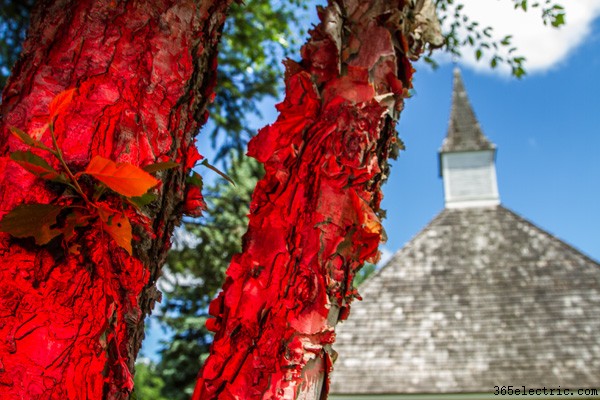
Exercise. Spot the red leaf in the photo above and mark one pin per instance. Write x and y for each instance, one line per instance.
(192, 156)
(194, 202)
(60, 102)
(117, 226)
(123, 178)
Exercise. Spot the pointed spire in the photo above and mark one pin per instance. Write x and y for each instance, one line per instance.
(464, 132)
(467, 157)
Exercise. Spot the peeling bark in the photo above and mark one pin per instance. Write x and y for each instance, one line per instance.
(71, 325)
(314, 217)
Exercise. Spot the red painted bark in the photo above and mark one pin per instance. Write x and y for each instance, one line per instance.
(314, 217)
(71, 324)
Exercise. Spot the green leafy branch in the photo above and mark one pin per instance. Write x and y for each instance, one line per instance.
(481, 39)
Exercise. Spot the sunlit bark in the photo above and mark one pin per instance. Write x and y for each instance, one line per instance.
(315, 216)
(71, 324)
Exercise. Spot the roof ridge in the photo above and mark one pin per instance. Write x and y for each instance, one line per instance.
(545, 232)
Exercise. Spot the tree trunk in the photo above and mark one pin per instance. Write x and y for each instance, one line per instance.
(314, 217)
(71, 319)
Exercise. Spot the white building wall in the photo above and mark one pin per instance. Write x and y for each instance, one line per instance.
(470, 179)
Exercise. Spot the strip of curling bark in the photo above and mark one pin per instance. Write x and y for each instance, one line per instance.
(314, 216)
(143, 72)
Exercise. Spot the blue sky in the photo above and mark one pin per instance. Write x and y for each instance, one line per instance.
(546, 127)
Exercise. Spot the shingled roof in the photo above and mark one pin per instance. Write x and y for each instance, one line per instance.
(464, 132)
(480, 297)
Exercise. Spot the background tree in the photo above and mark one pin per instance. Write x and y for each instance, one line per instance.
(152, 386)
(196, 273)
(461, 33)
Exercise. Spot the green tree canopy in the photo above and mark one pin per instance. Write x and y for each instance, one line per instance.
(14, 19)
(195, 272)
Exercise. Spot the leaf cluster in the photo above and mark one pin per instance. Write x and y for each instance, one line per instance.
(461, 33)
(77, 207)
(363, 273)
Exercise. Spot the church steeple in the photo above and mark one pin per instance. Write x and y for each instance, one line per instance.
(467, 157)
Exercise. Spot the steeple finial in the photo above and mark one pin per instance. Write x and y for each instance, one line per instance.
(464, 132)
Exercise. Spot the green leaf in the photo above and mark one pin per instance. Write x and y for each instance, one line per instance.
(558, 20)
(37, 166)
(161, 166)
(218, 171)
(32, 220)
(28, 140)
(431, 62)
(506, 40)
(143, 200)
(195, 179)
(519, 72)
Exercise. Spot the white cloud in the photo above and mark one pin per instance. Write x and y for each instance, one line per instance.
(543, 46)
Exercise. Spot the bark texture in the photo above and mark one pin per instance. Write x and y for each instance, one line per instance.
(71, 324)
(315, 216)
